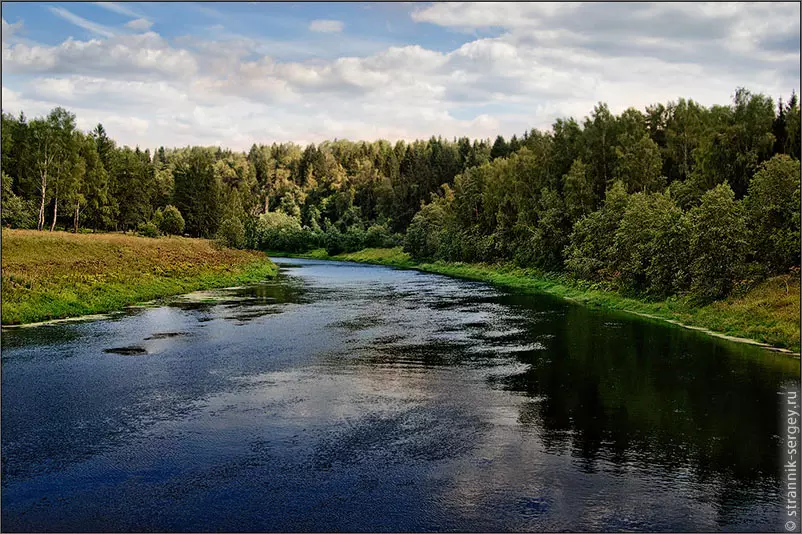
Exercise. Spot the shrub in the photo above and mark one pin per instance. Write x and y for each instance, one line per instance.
(231, 233)
(172, 223)
(281, 232)
(157, 218)
(772, 211)
(148, 229)
(16, 211)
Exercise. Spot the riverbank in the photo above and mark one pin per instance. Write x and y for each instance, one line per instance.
(768, 315)
(58, 275)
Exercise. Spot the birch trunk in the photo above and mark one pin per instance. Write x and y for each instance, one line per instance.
(41, 223)
(55, 212)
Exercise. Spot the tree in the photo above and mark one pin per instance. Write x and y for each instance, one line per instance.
(231, 233)
(51, 143)
(718, 243)
(172, 223)
(578, 191)
(549, 236)
(92, 195)
(423, 235)
(590, 253)
(650, 245)
(500, 148)
(639, 163)
(197, 192)
(772, 210)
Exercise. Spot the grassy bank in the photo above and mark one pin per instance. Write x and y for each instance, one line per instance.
(56, 275)
(768, 314)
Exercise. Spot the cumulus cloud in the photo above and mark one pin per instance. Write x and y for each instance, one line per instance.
(528, 65)
(326, 26)
(141, 55)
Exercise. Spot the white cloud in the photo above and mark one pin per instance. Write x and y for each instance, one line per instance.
(326, 26)
(140, 25)
(9, 30)
(119, 9)
(539, 62)
(82, 22)
(141, 55)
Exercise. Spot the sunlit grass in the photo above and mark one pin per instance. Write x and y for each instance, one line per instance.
(769, 313)
(55, 275)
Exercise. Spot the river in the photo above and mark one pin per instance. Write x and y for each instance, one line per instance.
(354, 397)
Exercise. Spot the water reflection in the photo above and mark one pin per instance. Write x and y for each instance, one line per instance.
(352, 397)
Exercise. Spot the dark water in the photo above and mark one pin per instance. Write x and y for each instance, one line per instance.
(354, 397)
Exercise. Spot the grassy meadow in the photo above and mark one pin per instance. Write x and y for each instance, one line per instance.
(57, 275)
(769, 313)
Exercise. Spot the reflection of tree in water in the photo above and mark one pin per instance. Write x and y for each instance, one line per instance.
(637, 393)
(283, 290)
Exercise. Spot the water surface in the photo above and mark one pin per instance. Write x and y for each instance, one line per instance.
(362, 398)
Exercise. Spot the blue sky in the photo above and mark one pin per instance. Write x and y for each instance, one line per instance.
(235, 73)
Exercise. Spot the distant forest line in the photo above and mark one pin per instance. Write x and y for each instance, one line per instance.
(676, 199)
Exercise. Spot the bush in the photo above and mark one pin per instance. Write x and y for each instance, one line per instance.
(158, 218)
(231, 233)
(148, 229)
(378, 236)
(172, 223)
(17, 212)
(281, 232)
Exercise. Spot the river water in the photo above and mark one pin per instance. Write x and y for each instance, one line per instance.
(363, 398)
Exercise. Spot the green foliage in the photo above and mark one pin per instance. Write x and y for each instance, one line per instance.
(650, 246)
(578, 191)
(231, 233)
(16, 212)
(550, 235)
(148, 229)
(422, 241)
(590, 253)
(197, 192)
(277, 231)
(718, 243)
(772, 209)
(554, 200)
(172, 223)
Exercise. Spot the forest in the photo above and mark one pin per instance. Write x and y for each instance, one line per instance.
(677, 199)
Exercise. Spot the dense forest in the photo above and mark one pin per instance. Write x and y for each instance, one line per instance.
(676, 199)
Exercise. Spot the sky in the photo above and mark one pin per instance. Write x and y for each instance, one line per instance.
(238, 73)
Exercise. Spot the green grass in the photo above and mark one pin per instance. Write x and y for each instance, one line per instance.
(57, 275)
(769, 313)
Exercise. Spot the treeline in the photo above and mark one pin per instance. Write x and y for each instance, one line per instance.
(681, 199)
(635, 200)
(57, 176)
